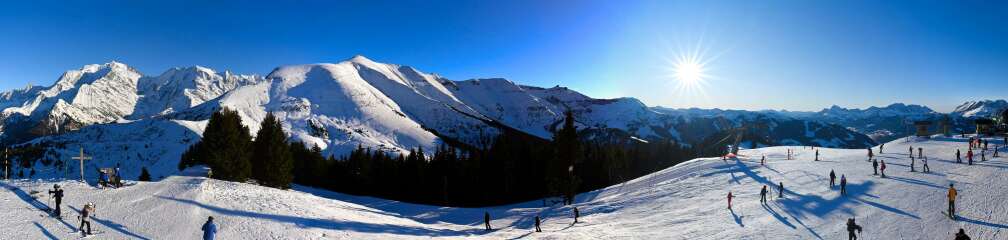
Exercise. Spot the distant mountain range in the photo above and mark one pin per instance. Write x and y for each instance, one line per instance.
(114, 110)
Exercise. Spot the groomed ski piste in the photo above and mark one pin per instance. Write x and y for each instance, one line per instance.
(687, 201)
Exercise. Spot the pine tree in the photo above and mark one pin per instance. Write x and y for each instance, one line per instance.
(273, 164)
(224, 148)
(561, 171)
(144, 175)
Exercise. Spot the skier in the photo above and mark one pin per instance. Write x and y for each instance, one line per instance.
(576, 215)
(57, 195)
(780, 191)
(985, 145)
(209, 229)
(870, 155)
(880, 148)
(912, 162)
(832, 178)
(817, 154)
(874, 164)
(851, 226)
(958, 156)
(969, 156)
(843, 185)
(882, 168)
(762, 161)
(911, 151)
(926, 168)
(729, 199)
(86, 212)
(951, 200)
(983, 155)
(995, 152)
(537, 224)
(762, 194)
(486, 220)
(961, 235)
(920, 152)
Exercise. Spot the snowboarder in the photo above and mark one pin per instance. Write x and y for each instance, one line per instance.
(209, 229)
(729, 199)
(832, 178)
(958, 156)
(951, 200)
(874, 164)
(577, 214)
(57, 195)
(86, 212)
(961, 235)
(537, 224)
(870, 154)
(882, 168)
(880, 148)
(762, 194)
(817, 154)
(486, 220)
(851, 226)
(969, 156)
(780, 191)
(843, 185)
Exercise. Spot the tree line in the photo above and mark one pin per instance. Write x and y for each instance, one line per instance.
(513, 168)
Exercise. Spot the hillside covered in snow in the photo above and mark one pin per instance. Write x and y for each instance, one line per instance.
(684, 201)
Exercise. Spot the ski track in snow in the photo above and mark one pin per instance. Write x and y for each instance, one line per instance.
(682, 202)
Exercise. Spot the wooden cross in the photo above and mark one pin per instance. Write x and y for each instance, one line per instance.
(81, 158)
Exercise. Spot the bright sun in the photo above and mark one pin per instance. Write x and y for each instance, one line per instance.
(688, 71)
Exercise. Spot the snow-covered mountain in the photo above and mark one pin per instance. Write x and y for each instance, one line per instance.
(90, 95)
(982, 108)
(356, 102)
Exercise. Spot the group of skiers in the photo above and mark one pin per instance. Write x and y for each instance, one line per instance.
(84, 227)
(538, 220)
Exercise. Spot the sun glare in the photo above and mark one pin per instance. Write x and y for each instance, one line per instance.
(688, 72)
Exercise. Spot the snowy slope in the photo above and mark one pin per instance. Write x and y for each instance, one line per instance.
(686, 201)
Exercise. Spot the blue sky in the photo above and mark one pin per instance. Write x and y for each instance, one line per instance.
(796, 55)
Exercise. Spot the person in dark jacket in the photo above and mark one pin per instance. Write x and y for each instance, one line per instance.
(882, 168)
(486, 220)
(961, 235)
(880, 147)
(577, 214)
(780, 191)
(537, 224)
(851, 226)
(86, 212)
(57, 195)
(843, 185)
(209, 229)
(958, 156)
(874, 165)
(817, 154)
(832, 178)
(762, 194)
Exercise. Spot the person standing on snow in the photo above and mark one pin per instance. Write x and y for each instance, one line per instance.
(537, 224)
(86, 212)
(762, 161)
(969, 156)
(882, 168)
(577, 214)
(833, 178)
(851, 226)
(951, 200)
(780, 191)
(729, 199)
(880, 148)
(961, 235)
(926, 168)
(870, 154)
(911, 151)
(874, 164)
(57, 195)
(912, 163)
(486, 220)
(920, 152)
(817, 154)
(843, 185)
(762, 194)
(958, 156)
(209, 229)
